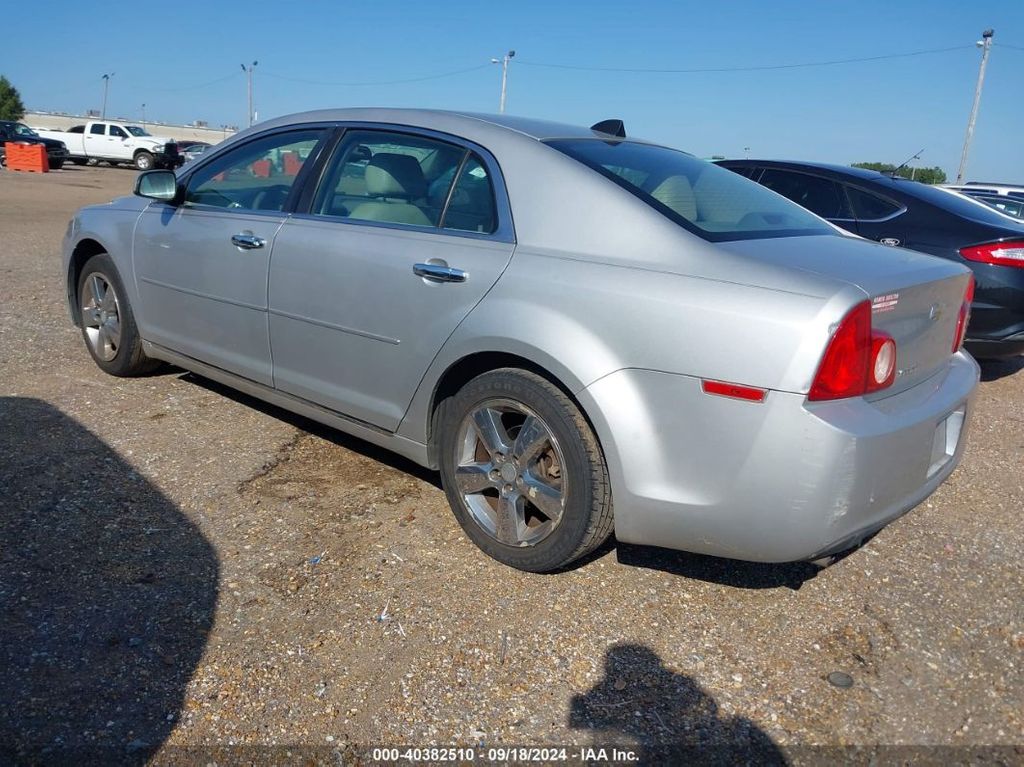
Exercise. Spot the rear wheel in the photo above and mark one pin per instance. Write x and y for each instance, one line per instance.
(108, 325)
(144, 161)
(523, 471)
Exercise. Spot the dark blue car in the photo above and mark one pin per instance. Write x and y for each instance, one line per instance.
(896, 211)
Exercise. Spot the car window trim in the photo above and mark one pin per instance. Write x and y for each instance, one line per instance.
(294, 193)
(503, 232)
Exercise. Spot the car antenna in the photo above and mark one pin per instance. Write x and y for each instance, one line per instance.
(904, 164)
(612, 128)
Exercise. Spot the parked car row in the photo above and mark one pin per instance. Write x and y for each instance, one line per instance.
(56, 151)
(116, 143)
(581, 331)
(899, 212)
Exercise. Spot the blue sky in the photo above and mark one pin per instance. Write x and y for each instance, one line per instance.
(182, 61)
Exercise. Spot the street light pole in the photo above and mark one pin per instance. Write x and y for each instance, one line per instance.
(248, 70)
(504, 78)
(106, 86)
(986, 45)
(143, 115)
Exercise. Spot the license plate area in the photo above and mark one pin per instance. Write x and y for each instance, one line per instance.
(946, 439)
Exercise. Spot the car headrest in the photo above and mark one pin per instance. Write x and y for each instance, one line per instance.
(676, 192)
(395, 175)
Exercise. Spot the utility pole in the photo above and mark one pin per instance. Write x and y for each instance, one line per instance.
(106, 86)
(986, 45)
(504, 78)
(143, 115)
(248, 70)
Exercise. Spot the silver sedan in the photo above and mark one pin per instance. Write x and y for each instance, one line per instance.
(581, 331)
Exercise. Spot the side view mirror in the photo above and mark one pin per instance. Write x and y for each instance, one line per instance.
(157, 185)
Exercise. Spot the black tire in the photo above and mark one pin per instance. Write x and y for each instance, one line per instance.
(144, 161)
(56, 164)
(128, 358)
(586, 517)
(80, 160)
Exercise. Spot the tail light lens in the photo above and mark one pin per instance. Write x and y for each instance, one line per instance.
(858, 359)
(998, 253)
(965, 316)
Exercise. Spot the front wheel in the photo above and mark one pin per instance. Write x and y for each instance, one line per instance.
(143, 161)
(523, 471)
(108, 325)
(56, 164)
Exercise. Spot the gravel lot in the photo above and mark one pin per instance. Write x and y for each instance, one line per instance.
(184, 566)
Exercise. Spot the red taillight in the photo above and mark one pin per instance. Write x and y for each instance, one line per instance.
(998, 253)
(857, 360)
(965, 316)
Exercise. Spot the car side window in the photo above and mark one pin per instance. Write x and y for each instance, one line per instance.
(391, 178)
(471, 207)
(870, 207)
(97, 129)
(255, 176)
(115, 131)
(819, 195)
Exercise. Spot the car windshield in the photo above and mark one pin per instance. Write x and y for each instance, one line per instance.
(135, 130)
(709, 201)
(23, 130)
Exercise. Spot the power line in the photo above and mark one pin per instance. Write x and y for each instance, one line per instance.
(1007, 45)
(378, 82)
(758, 68)
(232, 76)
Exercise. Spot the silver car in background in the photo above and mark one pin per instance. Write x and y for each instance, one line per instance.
(581, 331)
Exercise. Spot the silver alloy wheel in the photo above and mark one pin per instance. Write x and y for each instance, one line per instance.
(509, 469)
(101, 316)
(144, 161)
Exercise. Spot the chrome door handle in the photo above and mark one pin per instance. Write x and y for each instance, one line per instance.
(437, 273)
(247, 241)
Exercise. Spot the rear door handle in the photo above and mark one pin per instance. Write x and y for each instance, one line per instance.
(247, 241)
(437, 273)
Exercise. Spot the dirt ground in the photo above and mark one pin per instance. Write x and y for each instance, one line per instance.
(183, 566)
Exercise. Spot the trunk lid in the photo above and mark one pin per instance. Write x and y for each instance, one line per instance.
(915, 298)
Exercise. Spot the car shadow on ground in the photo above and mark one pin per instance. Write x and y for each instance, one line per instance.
(335, 437)
(993, 370)
(663, 717)
(107, 596)
(729, 572)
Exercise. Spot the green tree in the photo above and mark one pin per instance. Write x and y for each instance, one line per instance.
(934, 175)
(11, 107)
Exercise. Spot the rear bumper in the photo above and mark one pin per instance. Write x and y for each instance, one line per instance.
(778, 481)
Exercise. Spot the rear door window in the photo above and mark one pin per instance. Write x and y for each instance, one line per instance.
(819, 195)
(871, 207)
(393, 178)
(97, 129)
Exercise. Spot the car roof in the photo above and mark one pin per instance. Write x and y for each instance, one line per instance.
(451, 121)
(846, 170)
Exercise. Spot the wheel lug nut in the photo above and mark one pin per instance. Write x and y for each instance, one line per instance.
(508, 488)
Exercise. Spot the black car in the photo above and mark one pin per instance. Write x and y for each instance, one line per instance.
(897, 211)
(56, 151)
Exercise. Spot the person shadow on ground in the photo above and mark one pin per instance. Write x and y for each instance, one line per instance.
(107, 595)
(663, 717)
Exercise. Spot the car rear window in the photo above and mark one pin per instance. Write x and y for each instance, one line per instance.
(710, 201)
(954, 203)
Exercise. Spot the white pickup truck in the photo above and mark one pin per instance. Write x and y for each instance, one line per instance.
(116, 143)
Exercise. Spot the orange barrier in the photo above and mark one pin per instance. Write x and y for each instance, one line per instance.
(292, 163)
(261, 168)
(27, 157)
